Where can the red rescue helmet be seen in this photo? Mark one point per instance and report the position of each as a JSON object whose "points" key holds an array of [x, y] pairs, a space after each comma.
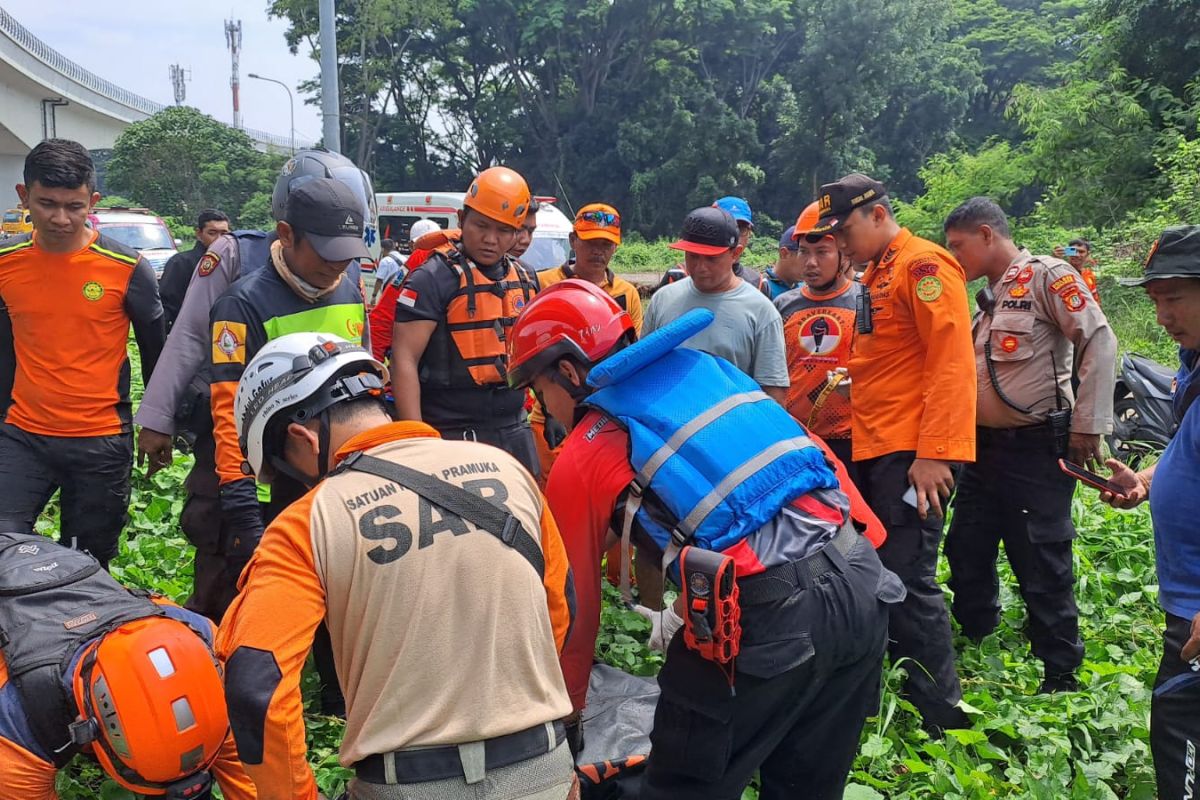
{"points": [[151, 697], [572, 318]]}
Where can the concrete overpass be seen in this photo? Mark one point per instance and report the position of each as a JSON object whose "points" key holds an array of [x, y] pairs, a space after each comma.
{"points": [[44, 95]]}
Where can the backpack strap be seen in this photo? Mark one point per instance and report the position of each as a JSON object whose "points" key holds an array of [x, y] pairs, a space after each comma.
{"points": [[485, 515]]}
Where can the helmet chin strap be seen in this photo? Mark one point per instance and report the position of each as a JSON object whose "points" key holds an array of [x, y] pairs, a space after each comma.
{"points": [[345, 388], [577, 393], [284, 468], [323, 443]]}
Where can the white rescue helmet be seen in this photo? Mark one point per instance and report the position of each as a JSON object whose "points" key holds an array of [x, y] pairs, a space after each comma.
{"points": [[294, 379], [422, 227]]}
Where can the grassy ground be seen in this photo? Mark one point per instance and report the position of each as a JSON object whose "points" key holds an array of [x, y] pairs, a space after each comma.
{"points": [[1092, 744]]}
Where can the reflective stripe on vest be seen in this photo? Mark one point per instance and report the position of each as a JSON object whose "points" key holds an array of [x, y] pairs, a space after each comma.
{"points": [[718, 453]]}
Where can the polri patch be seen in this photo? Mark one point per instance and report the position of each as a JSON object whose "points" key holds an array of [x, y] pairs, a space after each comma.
{"points": [[208, 263], [1073, 300]]}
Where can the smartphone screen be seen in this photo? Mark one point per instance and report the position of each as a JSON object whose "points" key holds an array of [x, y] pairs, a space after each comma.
{"points": [[1090, 478]]}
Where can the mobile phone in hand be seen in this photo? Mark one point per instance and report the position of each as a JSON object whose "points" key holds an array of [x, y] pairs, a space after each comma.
{"points": [[1090, 478], [1070, 251]]}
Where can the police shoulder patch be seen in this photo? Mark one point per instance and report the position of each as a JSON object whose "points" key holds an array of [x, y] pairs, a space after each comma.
{"points": [[1062, 283], [1073, 299], [208, 263]]}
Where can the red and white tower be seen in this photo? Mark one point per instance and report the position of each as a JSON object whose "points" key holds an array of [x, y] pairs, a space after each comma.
{"points": [[233, 39]]}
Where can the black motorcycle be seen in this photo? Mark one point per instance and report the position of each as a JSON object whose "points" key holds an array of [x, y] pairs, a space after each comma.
{"points": [[1143, 421]]}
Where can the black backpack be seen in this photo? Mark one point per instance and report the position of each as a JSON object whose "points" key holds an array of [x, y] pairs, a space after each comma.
{"points": [[52, 601]]}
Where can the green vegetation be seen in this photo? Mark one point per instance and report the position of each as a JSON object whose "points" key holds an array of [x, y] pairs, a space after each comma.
{"points": [[1081, 117], [1092, 744], [181, 161]]}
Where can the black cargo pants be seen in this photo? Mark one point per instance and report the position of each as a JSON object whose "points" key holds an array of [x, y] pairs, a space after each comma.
{"points": [[1015, 493], [920, 626], [807, 678], [1175, 715], [92, 474]]}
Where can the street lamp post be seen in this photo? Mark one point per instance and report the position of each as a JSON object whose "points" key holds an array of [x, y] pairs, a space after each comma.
{"points": [[291, 105]]}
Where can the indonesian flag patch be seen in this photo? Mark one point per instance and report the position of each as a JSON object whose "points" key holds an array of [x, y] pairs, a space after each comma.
{"points": [[408, 297]]}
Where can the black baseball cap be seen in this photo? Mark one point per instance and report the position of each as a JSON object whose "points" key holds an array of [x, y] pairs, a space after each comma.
{"points": [[836, 200], [708, 231], [331, 217], [1176, 254]]}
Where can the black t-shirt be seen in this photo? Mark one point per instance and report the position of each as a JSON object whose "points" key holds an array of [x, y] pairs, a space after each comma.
{"points": [[176, 276], [426, 295]]}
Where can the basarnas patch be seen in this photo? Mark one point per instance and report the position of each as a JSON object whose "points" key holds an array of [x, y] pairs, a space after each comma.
{"points": [[929, 289]]}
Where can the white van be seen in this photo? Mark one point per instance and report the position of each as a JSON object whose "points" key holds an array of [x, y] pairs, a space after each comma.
{"points": [[397, 211]]}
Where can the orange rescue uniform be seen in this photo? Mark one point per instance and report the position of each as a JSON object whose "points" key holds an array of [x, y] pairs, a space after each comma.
{"points": [[442, 634], [818, 330], [70, 315], [914, 373]]}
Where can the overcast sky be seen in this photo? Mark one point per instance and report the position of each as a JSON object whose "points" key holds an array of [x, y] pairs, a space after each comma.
{"points": [[132, 42]]}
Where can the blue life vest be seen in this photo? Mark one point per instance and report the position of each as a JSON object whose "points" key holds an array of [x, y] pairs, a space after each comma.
{"points": [[719, 454]]}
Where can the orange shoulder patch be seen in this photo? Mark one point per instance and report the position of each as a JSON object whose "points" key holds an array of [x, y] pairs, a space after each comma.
{"points": [[229, 342]]}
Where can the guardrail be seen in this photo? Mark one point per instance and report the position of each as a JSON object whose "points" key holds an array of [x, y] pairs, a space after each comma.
{"points": [[68, 68]]}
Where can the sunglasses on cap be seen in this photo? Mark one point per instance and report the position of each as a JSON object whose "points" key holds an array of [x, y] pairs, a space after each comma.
{"points": [[605, 219]]}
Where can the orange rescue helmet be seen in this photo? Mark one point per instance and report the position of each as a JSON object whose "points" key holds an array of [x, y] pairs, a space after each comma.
{"points": [[806, 222], [572, 318], [152, 694], [501, 194]]}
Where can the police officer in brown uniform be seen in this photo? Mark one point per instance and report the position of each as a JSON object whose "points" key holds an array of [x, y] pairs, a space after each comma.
{"points": [[1036, 318]]}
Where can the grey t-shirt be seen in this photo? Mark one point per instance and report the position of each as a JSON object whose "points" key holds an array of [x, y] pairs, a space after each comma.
{"points": [[747, 331]]}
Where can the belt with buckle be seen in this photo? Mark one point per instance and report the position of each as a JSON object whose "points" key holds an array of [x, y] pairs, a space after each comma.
{"points": [[424, 764]]}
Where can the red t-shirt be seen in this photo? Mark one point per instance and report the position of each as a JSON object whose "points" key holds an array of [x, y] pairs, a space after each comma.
{"points": [[587, 480]]}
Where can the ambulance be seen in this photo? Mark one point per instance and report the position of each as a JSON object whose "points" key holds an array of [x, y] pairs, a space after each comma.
{"points": [[397, 211]]}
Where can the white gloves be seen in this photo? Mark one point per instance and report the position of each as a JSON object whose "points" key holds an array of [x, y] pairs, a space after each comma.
{"points": [[666, 624]]}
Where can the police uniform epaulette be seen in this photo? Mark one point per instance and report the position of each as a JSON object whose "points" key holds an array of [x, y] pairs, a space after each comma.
{"points": [[16, 244], [111, 248]]}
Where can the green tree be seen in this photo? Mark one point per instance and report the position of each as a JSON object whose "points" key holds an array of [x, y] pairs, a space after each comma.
{"points": [[1093, 143], [377, 65], [1155, 40], [1017, 42], [180, 161], [871, 81], [998, 171]]}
